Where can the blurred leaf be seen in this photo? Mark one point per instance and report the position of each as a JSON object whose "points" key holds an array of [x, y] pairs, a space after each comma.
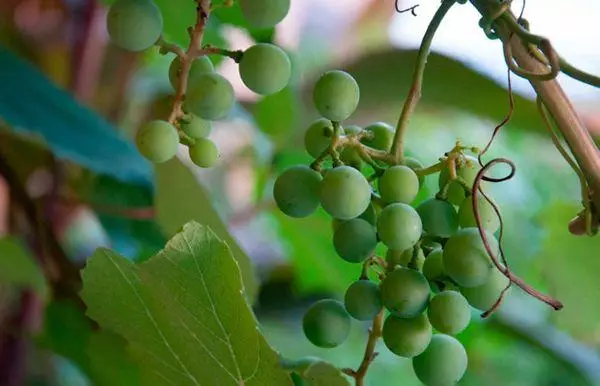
{"points": [[181, 198], [18, 267], [277, 115], [31, 104], [324, 374], [183, 312], [233, 15], [110, 363]]}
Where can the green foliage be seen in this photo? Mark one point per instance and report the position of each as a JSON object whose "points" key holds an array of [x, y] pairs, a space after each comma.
{"points": [[110, 363], [264, 13], [344, 193], [204, 152], [405, 292], [363, 300], [277, 115], [318, 136], [355, 240], [439, 217], [210, 97], [158, 141], [181, 311], [265, 69], [466, 260], [398, 184], [134, 25], [449, 312], [312, 371], [296, 191], [199, 66], [336, 95], [326, 323], [407, 337], [399, 226], [444, 362], [17, 267], [382, 133]]}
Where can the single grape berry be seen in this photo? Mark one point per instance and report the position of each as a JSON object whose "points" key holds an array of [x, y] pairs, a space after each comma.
{"points": [[355, 240], [398, 184], [363, 300], [405, 258], [433, 268], [197, 127], [349, 155], [487, 214], [406, 337], [465, 258], [265, 69], [405, 292], [204, 152], [382, 136], [296, 191], [467, 169], [318, 137], [443, 363], [415, 164], [344, 193], [336, 95], [485, 296], [210, 97], [326, 323], [264, 13], [399, 226], [199, 66], [439, 217], [158, 141], [449, 312], [134, 25]]}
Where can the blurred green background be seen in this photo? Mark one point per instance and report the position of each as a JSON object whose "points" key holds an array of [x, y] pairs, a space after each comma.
{"points": [[70, 104]]}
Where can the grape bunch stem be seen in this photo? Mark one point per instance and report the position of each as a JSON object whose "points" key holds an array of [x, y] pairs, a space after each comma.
{"points": [[374, 334]]}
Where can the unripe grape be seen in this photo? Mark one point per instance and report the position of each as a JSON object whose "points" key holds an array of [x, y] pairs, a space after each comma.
{"points": [[405, 292], [406, 337], [465, 258], [363, 300], [489, 218], [399, 226], [336, 95], [264, 13], [326, 323], [398, 184], [467, 170], [134, 25], [449, 312], [158, 141], [210, 97], [433, 268], [485, 296], [355, 240], [199, 66], [415, 164], [404, 258], [318, 137], [197, 127], [204, 152], [344, 193], [296, 191], [443, 363], [439, 217], [349, 155], [383, 135], [265, 69]]}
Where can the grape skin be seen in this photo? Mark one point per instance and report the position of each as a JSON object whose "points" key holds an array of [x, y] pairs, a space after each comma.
{"points": [[363, 300], [336, 95], [398, 184], [318, 137], [355, 240], [210, 97], [344, 193], [296, 191], [134, 25], [265, 69], [449, 312], [489, 218], [415, 164], [383, 135], [204, 152], [407, 337], [405, 292], [443, 363], [439, 217], [264, 13], [399, 226], [197, 127], [467, 171], [199, 66], [326, 323], [485, 296], [349, 155], [157, 141], [404, 258], [433, 268]]}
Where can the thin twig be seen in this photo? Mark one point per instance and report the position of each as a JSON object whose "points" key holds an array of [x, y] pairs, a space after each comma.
{"points": [[370, 354]]}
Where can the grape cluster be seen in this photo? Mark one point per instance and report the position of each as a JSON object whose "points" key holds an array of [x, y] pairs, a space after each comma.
{"points": [[136, 25], [436, 266]]}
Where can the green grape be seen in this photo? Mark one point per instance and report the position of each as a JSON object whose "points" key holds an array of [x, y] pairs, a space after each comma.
{"points": [[210, 97], [443, 363], [398, 184], [336, 95], [466, 260], [363, 300], [204, 152], [158, 141], [399, 226], [296, 191], [405, 292], [484, 296], [344, 193], [383, 135], [197, 127], [467, 170], [439, 217], [318, 137], [404, 258], [199, 66], [406, 337], [265, 69], [355, 240], [264, 13], [415, 164], [349, 155], [449, 312], [489, 218], [430, 245], [134, 25], [433, 268], [326, 323]]}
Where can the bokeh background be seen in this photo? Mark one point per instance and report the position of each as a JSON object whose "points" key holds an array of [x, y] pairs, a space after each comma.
{"points": [[70, 103]]}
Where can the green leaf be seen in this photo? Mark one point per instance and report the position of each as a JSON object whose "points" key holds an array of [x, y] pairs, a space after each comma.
{"points": [[277, 115], [110, 363], [183, 313], [18, 267], [233, 15], [181, 198]]}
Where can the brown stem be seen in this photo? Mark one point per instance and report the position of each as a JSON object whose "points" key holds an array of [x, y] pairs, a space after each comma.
{"points": [[370, 354]]}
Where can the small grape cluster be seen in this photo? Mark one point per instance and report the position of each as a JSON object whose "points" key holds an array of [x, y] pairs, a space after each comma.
{"points": [[137, 25], [436, 266]]}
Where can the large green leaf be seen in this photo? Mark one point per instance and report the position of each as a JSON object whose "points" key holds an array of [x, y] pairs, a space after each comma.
{"points": [[18, 267], [183, 313]]}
